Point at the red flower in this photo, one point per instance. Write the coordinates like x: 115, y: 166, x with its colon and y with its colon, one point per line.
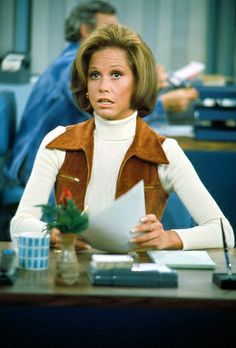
x: 66, y: 194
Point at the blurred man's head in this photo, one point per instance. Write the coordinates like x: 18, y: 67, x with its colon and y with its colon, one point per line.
x: 86, y: 17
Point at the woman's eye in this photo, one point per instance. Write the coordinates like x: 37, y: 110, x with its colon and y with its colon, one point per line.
x: 116, y: 74
x: 94, y: 75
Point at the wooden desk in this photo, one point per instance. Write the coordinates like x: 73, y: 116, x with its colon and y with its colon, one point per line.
x: 192, y: 144
x: 197, y: 311
x: 195, y: 289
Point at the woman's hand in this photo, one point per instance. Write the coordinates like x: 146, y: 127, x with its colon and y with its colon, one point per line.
x: 55, y: 242
x: 153, y: 235
x: 55, y: 239
x: 80, y: 244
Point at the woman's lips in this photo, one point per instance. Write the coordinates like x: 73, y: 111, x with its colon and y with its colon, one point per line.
x: 104, y: 101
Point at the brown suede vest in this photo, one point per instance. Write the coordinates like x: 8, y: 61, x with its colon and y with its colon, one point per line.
x: 139, y: 163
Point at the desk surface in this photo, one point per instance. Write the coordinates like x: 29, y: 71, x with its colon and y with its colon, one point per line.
x: 188, y: 143
x: 184, y: 135
x: 195, y: 289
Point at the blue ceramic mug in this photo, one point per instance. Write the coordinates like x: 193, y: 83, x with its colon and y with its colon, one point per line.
x: 33, y: 250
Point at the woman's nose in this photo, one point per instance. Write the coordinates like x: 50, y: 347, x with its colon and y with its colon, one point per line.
x: 104, y: 84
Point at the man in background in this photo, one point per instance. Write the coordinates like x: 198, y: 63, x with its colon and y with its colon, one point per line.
x: 50, y: 103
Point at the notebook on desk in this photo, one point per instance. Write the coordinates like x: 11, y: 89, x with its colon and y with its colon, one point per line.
x: 182, y: 259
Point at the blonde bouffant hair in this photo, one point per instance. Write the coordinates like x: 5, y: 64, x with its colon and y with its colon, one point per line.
x: 139, y: 58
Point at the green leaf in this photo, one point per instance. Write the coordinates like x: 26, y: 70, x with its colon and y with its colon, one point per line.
x: 66, y: 217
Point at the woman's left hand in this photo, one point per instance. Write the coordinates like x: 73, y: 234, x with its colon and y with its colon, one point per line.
x: 153, y: 235
x: 80, y: 243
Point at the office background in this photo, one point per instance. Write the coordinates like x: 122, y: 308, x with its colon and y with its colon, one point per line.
x: 178, y: 31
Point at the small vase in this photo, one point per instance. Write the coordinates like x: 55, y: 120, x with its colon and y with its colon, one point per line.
x: 67, y: 267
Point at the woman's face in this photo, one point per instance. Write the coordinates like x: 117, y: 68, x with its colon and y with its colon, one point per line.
x: 110, y: 84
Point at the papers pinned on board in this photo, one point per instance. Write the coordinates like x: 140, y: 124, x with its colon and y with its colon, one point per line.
x: 110, y: 230
x: 182, y: 259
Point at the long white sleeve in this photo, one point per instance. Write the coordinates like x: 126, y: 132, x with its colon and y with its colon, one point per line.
x: 39, y: 187
x: 180, y: 176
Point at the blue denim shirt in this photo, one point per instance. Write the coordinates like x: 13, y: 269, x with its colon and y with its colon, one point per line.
x: 50, y: 104
x: 158, y: 116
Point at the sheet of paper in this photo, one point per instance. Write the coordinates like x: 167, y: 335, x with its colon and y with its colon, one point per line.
x: 188, y: 72
x: 196, y: 259
x: 110, y: 229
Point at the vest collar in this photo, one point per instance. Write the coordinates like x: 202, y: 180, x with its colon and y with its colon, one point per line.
x: 146, y: 144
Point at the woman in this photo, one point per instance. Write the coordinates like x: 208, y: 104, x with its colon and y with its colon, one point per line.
x: 114, y: 78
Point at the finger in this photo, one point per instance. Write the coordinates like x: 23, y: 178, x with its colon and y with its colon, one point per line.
x: 55, y: 243
x: 147, y: 227
x: 81, y: 245
x: 145, y: 237
x: 148, y: 223
x: 149, y: 218
x: 149, y: 243
x: 55, y: 235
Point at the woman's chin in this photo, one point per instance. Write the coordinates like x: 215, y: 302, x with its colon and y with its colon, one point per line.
x: 106, y: 115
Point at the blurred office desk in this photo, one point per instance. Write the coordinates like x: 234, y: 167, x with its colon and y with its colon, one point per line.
x: 34, y: 307
x: 192, y: 144
x: 184, y: 134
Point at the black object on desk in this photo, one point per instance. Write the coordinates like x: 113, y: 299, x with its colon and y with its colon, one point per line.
x: 146, y: 275
x: 225, y: 280
x: 215, y: 117
x: 8, y: 269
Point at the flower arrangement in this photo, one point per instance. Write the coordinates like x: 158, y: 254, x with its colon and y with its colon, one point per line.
x: 65, y: 216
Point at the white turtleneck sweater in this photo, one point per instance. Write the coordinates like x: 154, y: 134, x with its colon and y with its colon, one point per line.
x: 111, y: 141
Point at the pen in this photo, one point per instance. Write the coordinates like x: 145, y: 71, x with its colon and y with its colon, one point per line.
x: 226, y: 251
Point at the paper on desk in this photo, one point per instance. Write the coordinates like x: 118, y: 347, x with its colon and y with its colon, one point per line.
x: 192, y: 259
x: 110, y: 229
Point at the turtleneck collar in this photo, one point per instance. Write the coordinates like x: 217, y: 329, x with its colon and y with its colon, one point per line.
x: 117, y: 129
x: 146, y: 144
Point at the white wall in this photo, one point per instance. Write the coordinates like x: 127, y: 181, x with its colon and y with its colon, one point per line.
x: 174, y: 29
x: 6, y: 26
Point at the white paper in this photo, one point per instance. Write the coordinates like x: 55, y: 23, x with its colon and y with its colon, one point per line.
x: 193, y: 259
x: 188, y: 72
x: 110, y: 230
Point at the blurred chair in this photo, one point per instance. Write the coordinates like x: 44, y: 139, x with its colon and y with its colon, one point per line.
x: 176, y: 215
x: 217, y: 170
x: 8, y: 122
x: 7, y: 135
